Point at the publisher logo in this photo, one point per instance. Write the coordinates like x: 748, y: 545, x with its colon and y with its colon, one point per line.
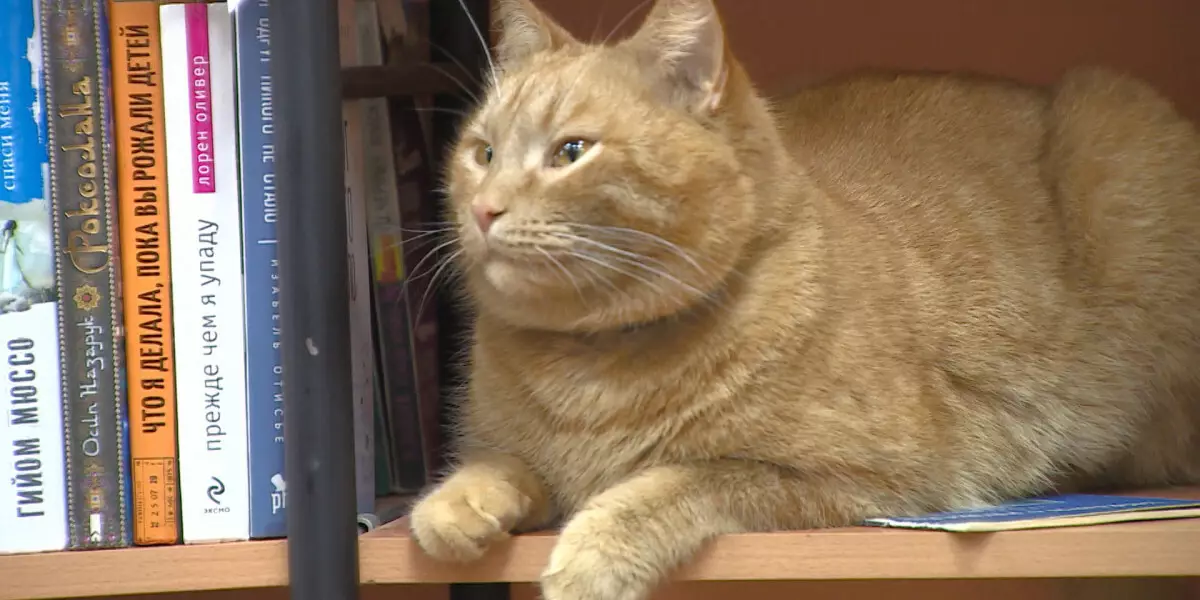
x: 279, y: 496
x: 216, y: 490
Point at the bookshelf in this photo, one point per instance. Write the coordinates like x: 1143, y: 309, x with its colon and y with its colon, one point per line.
x: 388, y: 556
x: 324, y: 559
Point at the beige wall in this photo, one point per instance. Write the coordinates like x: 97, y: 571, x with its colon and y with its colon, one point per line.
x: 1031, y: 40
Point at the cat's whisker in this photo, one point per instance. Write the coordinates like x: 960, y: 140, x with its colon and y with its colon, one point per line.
x: 462, y: 114
x: 561, y: 100
x: 665, y: 275
x: 422, y: 246
x: 646, y: 236
x: 689, y: 288
x: 434, y: 226
x: 422, y: 234
x: 594, y: 276
x: 448, y: 261
x: 459, y: 82
x: 567, y: 273
x: 415, y: 273
x: 625, y: 272
x: 599, y: 19
x: 487, y: 52
x: 454, y: 59
x: 628, y: 15
x: 608, y: 248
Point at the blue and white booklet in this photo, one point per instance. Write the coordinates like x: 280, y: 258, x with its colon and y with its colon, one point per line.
x: 1049, y: 511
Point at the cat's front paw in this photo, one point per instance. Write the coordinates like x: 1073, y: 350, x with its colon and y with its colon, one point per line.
x: 597, y: 559
x: 462, y: 518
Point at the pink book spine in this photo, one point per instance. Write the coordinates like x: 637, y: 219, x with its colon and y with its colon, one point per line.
x: 199, y: 98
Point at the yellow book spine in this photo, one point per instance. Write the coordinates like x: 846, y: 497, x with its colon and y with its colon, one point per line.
x: 145, y: 268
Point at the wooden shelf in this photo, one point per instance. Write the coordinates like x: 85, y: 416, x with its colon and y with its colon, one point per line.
x: 409, y: 79
x: 389, y: 556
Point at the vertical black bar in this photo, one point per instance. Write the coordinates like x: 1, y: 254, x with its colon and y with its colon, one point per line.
x: 314, y: 302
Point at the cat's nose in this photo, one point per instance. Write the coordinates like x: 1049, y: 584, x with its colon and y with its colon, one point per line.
x: 485, y: 215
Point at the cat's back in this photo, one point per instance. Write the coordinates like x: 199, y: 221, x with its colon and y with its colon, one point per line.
x: 1058, y: 226
x: 876, y: 136
x: 911, y: 108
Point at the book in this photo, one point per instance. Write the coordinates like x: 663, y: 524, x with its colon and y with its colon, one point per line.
x: 33, y: 508
x: 206, y: 265
x: 362, y: 347
x: 260, y: 259
x: 426, y: 268
x: 393, y: 336
x: 76, y: 58
x: 142, y: 207
x: 1065, y: 510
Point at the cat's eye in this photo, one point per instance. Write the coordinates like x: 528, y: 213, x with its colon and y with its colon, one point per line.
x: 569, y: 152
x: 483, y: 154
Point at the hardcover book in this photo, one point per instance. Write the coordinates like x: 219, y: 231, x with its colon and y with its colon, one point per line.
x: 76, y: 59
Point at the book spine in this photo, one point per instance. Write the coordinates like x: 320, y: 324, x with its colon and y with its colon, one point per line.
x: 75, y: 58
x: 264, y: 371
x: 146, y: 276
x: 413, y: 183
x: 413, y: 123
x: 206, y: 253
x: 362, y: 343
x: 387, y: 256
x: 33, y: 507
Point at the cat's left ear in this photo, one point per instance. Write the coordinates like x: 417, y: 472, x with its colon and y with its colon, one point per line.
x: 682, y: 42
x: 524, y: 30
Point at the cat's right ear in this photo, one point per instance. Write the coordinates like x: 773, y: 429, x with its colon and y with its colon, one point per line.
x: 682, y: 44
x: 524, y: 30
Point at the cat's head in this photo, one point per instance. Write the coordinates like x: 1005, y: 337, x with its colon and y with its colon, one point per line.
x: 602, y: 185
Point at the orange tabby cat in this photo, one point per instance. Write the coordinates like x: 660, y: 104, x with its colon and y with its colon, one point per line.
x: 699, y: 313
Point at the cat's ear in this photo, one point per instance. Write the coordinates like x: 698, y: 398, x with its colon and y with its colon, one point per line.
x: 524, y: 30
x: 683, y: 43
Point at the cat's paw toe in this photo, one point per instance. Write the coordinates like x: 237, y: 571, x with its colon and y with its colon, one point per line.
x: 587, y: 564
x: 459, y: 522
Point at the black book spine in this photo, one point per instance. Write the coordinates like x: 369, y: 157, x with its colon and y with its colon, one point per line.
x: 75, y: 55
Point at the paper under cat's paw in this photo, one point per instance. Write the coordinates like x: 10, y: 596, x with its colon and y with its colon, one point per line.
x: 596, y: 559
x: 459, y: 520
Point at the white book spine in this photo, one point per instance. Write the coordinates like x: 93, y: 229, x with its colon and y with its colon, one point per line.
x: 33, y: 505
x: 362, y: 343
x: 206, y: 254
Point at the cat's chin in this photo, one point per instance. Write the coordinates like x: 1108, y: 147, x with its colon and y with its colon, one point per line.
x: 519, y: 278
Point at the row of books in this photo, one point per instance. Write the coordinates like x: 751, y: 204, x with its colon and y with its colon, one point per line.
x: 139, y: 291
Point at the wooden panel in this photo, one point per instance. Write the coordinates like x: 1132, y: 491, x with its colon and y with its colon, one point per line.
x: 389, y: 556
x: 1159, y: 548
x: 1031, y: 40
x: 1055, y: 589
x: 381, y: 592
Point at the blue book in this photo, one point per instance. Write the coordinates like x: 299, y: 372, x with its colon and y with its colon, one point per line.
x: 264, y: 373
x: 33, y: 476
x: 1048, y: 511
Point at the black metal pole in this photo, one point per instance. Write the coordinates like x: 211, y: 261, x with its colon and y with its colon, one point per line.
x: 314, y: 301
